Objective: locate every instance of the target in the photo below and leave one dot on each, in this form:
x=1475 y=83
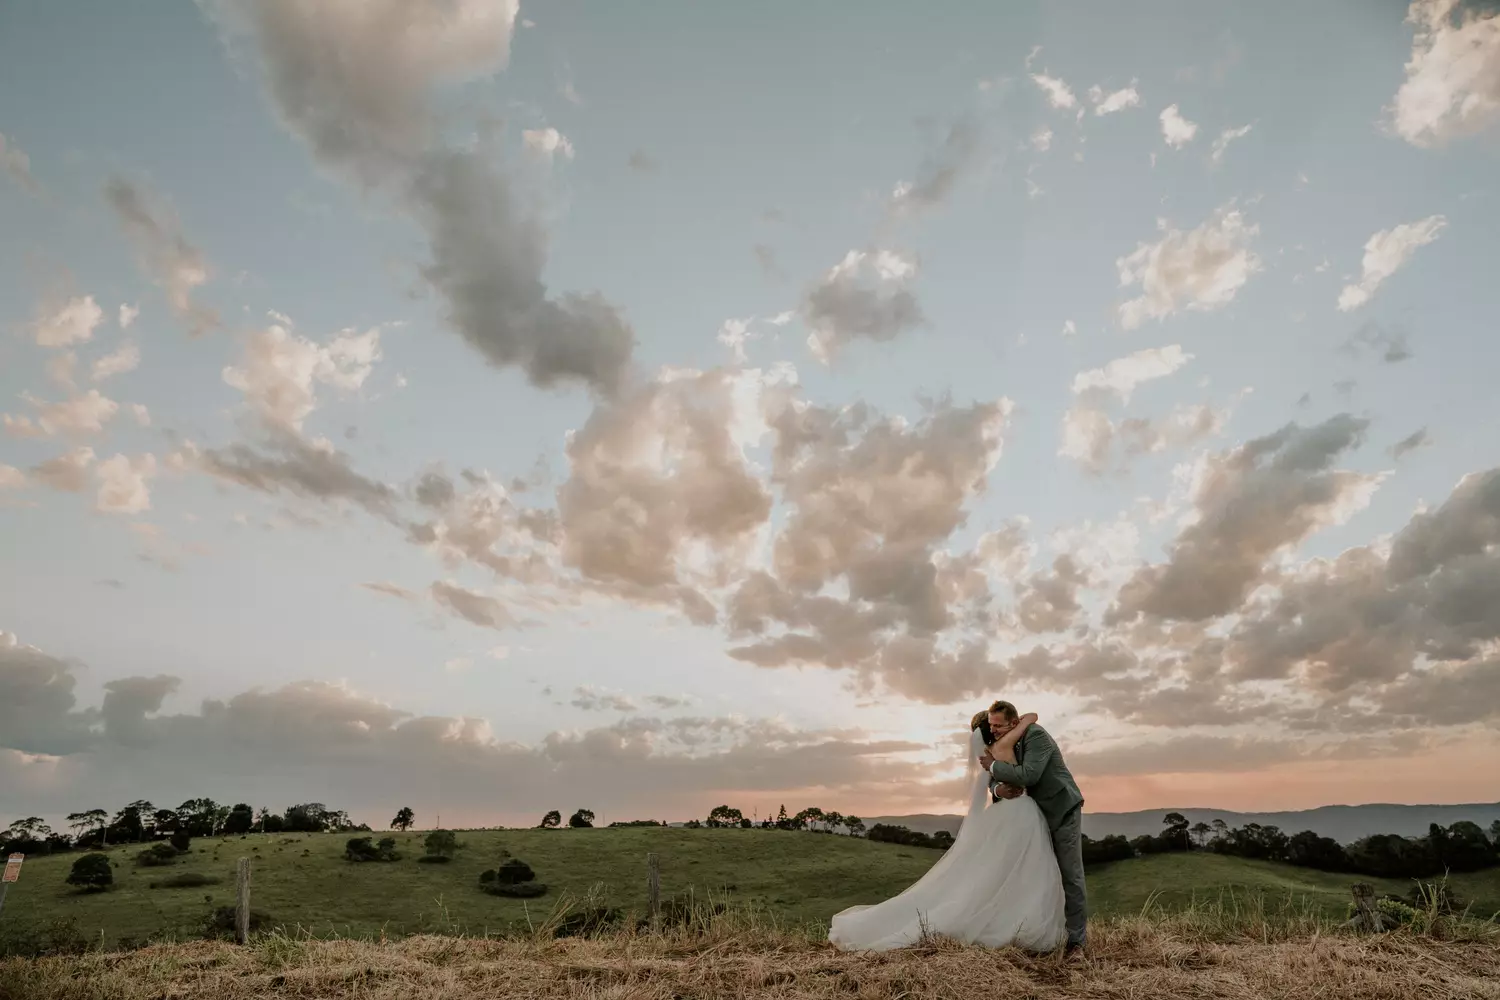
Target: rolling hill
x=1342 y=823
x=302 y=881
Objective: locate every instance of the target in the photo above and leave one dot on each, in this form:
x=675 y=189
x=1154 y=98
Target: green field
x=302 y=881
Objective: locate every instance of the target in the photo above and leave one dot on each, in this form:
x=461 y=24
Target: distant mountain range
x=1342 y=823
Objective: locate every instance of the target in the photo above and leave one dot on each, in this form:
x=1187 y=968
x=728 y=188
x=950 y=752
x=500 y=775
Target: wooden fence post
x=242 y=901
x=1367 y=915
x=653 y=890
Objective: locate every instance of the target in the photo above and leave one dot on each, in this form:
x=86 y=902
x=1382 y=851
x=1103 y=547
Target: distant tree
x=441 y=844
x=1309 y=850
x=240 y=819
x=404 y=819
x=308 y=817
x=163 y=822
x=1201 y=832
x=720 y=816
x=1495 y=833
x=273 y=823
x=942 y=840
x=806 y=818
x=1221 y=828
x=833 y=820
x=552 y=820
x=1462 y=847
x=854 y=825
x=130 y=823
x=80 y=823
x=27 y=836
x=745 y=823
x=1111 y=848
x=92 y=872
x=693 y=824
x=98 y=822
x=1175 y=835
x=782 y=822
x=581 y=819
x=201 y=817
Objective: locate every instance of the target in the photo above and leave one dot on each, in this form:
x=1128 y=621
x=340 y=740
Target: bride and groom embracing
x=1015 y=873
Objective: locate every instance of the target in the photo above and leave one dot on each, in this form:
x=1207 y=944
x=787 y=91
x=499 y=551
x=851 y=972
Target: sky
x=491 y=407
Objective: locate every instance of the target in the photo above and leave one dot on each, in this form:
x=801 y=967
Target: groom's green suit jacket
x=1041 y=771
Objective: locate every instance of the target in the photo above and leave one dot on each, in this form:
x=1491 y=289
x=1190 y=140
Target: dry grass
x=1232 y=949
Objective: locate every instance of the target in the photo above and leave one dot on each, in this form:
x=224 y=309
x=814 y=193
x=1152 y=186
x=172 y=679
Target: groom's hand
x=986 y=760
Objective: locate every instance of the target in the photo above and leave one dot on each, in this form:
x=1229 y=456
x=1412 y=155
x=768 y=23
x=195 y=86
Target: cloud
x=391 y=590
x=936 y=180
x=125 y=358
x=1202 y=269
x=1250 y=503
x=864 y=296
x=1416 y=439
x=123 y=484
x=766 y=257
x=1120 y=377
x=165 y=254
x=475 y=608
x=642 y=162
x=80 y=415
x=1041 y=139
x=1452 y=86
x=1390 y=344
x=68 y=472
x=287 y=462
x=1221 y=144
x=1175 y=129
x=590 y=699
x=547 y=143
x=1113 y=101
x=15 y=164
x=127 y=315
x=73 y=322
x=12 y=478
x=279 y=370
x=37 y=714
x=356 y=82
x=1385 y=253
x=1058 y=93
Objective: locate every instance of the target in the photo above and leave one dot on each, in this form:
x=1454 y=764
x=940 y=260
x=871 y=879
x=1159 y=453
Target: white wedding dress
x=997 y=885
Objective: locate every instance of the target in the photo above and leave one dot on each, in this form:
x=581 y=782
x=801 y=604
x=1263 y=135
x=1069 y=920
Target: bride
x=997 y=885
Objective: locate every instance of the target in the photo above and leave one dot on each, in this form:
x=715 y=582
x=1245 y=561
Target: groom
x=1039 y=768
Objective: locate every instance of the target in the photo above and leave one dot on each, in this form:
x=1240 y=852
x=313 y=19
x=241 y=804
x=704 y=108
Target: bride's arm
x=1004 y=749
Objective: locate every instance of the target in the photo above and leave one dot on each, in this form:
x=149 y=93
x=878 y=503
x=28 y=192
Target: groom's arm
x=1039 y=753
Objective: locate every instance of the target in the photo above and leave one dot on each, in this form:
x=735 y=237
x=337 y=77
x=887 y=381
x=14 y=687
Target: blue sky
x=698 y=168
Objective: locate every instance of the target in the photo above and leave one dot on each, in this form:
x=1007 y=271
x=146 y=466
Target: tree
x=404 y=819
x=80 y=823
x=582 y=819
x=1201 y=832
x=181 y=840
x=854 y=825
x=720 y=816
x=240 y=819
x=1175 y=836
x=308 y=817
x=1309 y=850
x=98 y=822
x=552 y=820
x=782 y=823
x=92 y=872
x=1495 y=833
x=441 y=844
x=27 y=836
x=833 y=820
x=806 y=818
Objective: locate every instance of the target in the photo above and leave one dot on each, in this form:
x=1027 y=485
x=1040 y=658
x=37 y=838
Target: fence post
x=653 y=890
x=242 y=901
x=1367 y=915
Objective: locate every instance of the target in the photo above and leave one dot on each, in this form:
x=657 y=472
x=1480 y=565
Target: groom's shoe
x=1074 y=949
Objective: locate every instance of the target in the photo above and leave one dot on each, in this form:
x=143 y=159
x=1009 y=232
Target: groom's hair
x=1006 y=709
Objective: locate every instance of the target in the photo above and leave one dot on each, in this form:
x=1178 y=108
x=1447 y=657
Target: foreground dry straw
x=1133 y=959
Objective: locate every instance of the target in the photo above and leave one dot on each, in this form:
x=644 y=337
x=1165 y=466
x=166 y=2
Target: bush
x=434 y=859
x=186 y=880
x=181 y=841
x=488 y=875
x=441 y=843
x=514 y=872
x=92 y=872
x=521 y=890
x=360 y=849
x=156 y=855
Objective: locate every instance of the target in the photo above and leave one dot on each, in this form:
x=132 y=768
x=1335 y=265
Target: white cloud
x=165 y=253
x=141 y=414
x=122 y=359
x=1059 y=95
x=458 y=664
x=71 y=323
x=1121 y=376
x=280 y=370
x=128 y=314
x=122 y=484
x=733 y=335
x=1119 y=100
x=1385 y=253
x=68 y=472
x=1201 y=269
x=862 y=296
x=1069 y=328
x=1225 y=138
x=15 y=163
x=79 y=415
x=11 y=478
x=547 y=142
x=62 y=367
x=1175 y=129
x=1041 y=139
x=1452 y=86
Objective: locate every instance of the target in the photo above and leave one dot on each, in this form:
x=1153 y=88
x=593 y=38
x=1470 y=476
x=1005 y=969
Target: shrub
x=488 y=875
x=441 y=843
x=156 y=855
x=186 y=880
x=582 y=819
x=521 y=890
x=181 y=841
x=92 y=872
x=514 y=872
x=360 y=849
x=434 y=859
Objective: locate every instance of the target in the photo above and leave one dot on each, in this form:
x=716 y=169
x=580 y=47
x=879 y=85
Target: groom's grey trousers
x=1067 y=844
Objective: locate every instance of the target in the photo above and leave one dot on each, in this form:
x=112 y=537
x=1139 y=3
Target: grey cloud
x=1416 y=439
x=1252 y=502
x=477 y=609
x=1468 y=522
x=127 y=703
x=165 y=253
x=290 y=463
x=1048 y=602
x=940 y=173
x=642 y=161
x=1373 y=338
x=589 y=699
x=37 y=714
x=390 y=590
x=861 y=298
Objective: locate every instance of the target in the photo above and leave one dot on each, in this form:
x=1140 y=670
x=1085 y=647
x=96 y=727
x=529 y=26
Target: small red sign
x=12 y=868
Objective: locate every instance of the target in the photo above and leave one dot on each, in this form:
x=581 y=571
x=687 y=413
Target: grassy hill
x=302 y=881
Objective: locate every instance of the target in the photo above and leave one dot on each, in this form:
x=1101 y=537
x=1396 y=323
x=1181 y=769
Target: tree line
x=141 y=821
x=1462 y=847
